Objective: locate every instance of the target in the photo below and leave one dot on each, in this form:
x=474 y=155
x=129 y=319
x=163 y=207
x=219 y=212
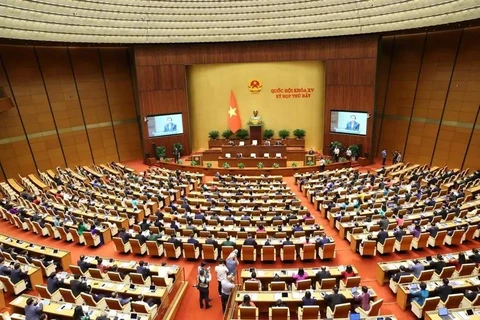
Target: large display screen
x=348 y=122
x=164 y=125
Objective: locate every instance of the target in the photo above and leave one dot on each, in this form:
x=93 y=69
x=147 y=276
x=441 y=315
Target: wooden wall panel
x=386 y=47
x=65 y=103
x=445 y=99
x=160 y=75
x=48 y=128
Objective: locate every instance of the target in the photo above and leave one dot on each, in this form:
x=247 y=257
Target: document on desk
x=277 y=296
x=297 y=294
x=463 y=315
x=120 y=287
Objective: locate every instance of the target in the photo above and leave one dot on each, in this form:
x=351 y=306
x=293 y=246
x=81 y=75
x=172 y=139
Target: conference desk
x=265 y=299
x=270 y=230
x=455 y=314
x=34 y=273
x=277 y=243
x=256 y=179
x=459 y=285
x=356 y=238
x=259 y=150
x=64 y=311
x=15 y=186
x=386 y=269
x=253 y=162
x=128 y=266
x=267 y=275
x=400 y=173
x=62 y=256
x=106 y=286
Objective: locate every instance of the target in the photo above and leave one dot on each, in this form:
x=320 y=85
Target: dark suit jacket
x=77 y=287
x=17 y=275
x=84 y=265
x=4 y=270
x=471 y=295
x=287 y=243
x=175 y=241
x=212 y=241
x=443 y=291
x=433 y=231
x=144 y=271
x=353 y=126
x=323 y=275
x=399 y=234
x=397 y=276
x=250 y=242
x=53 y=284
x=382 y=236
x=333 y=299
x=438 y=266
x=125 y=236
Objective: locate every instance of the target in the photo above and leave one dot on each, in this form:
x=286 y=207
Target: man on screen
x=353 y=124
x=170 y=126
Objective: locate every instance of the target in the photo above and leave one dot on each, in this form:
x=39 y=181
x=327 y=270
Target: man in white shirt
x=221 y=270
x=336 y=153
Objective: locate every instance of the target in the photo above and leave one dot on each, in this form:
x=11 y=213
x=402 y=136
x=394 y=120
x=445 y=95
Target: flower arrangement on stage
x=241 y=165
x=226 y=165
x=260 y=165
x=276 y=165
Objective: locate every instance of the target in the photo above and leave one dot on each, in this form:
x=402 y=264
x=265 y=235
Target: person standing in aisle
x=203 y=284
x=227 y=286
x=222 y=272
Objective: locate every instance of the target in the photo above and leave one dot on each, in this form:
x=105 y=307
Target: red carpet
x=190 y=309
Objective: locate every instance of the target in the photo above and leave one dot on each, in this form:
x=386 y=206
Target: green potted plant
x=179 y=162
x=342 y=159
x=260 y=165
x=284 y=134
x=193 y=163
x=214 y=134
x=299 y=133
x=355 y=150
x=209 y=164
x=241 y=165
x=242 y=134
x=178 y=146
x=161 y=152
x=268 y=134
x=310 y=163
x=328 y=161
x=227 y=134
x=166 y=159
x=226 y=165
x=294 y=164
x=276 y=165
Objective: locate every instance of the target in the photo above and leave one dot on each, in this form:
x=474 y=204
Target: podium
x=310 y=158
x=198 y=158
x=256 y=133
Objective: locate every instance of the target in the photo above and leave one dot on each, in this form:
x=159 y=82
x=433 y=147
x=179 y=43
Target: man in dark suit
x=170 y=126
x=332 y=300
x=193 y=241
x=177 y=243
x=323 y=240
x=84 y=265
x=399 y=233
x=444 y=290
x=210 y=240
x=78 y=286
x=382 y=236
x=124 y=235
x=403 y=272
x=276 y=217
x=383 y=223
x=53 y=283
x=17 y=275
x=475 y=257
x=433 y=230
x=250 y=241
x=438 y=265
x=322 y=274
x=143 y=269
x=144 y=225
x=287 y=242
x=4 y=270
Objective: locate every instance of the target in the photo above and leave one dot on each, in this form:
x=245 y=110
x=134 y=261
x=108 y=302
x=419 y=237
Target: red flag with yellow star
x=234 y=121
